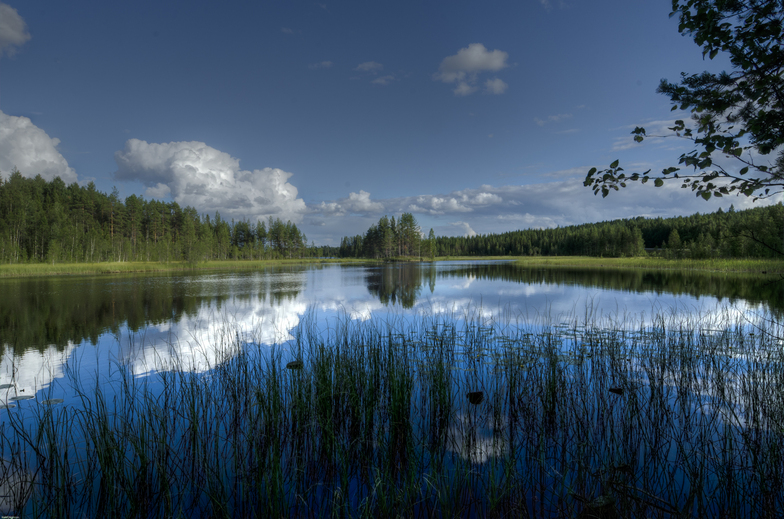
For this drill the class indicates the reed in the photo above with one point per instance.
(432, 416)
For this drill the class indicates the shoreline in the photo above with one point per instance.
(756, 266)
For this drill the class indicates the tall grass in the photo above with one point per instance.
(768, 266)
(65, 269)
(433, 416)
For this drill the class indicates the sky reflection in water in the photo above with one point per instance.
(150, 323)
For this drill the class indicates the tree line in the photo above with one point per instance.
(751, 233)
(389, 238)
(48, 221)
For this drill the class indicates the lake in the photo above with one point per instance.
(523, 390)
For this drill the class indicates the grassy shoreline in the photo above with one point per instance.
(763, 266)
(68, 269)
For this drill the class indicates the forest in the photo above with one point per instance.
(751, 233)
(47, 221)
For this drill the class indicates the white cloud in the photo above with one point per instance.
(209, 180)
(466, 229)
(464, 89)
(369, 66)
(13, 30)
(464, 67)
(495, 86)
(357, 203)
(493, 209)
(320, 65)
(552, 119)
(28, 148)
(383, 80)
(470, 60)
(286, 30)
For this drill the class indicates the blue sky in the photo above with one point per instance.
(477, 117)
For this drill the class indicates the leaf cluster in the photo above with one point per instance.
(738, 114)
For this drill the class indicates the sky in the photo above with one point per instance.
(476, 117)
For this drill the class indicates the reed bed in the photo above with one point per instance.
(430, 416)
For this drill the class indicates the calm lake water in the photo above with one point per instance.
(569, 374)
(148, 322)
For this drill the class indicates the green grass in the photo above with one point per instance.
(664, 420)
(65, 269)
(770, 266)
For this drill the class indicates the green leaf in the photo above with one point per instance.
(706, 195)
(614, 164)
(658, 182)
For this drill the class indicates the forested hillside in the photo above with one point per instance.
(753, 233)
(52, 222)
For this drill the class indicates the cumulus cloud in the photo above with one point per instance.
(465, 228)
(464, 89)
(28, 148)
(209, 180)
(492, 209)
(495, 86)
(464, 67)
(320, 65)
(13, 30)
(369, 66)
(465, 201)
(357, 203)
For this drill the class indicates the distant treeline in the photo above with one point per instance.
(48, 221)
(752, 233)
(388, 239)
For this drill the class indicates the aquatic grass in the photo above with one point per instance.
(435, 416)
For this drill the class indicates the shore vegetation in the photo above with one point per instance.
(428, 416)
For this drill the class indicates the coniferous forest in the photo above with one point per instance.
(47, 221)
(751, 233)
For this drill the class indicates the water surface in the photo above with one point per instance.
(154, 320)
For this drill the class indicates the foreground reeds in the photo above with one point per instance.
(422, 417)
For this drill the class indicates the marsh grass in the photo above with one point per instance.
(381, 419)
(766, 266)
(127, 267)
